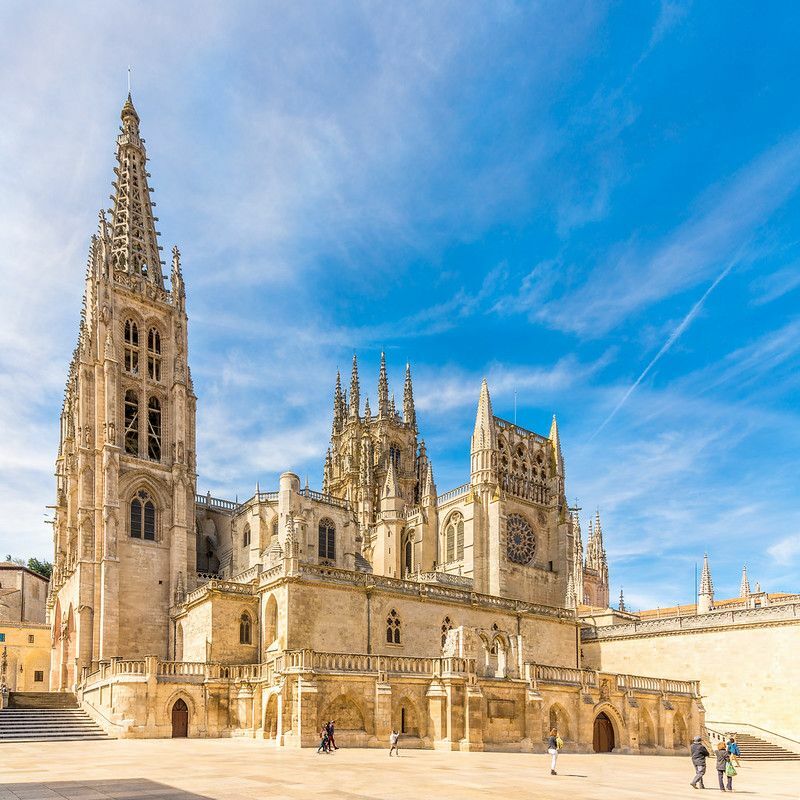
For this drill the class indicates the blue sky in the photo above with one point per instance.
(554, 195)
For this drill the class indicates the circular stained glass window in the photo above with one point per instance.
(521, 540)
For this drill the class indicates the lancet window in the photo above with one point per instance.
(447, 626)
(131, 423)
(454, 538)
(393, 627)
(131, 347)
(245, 629)
(154, 429)
(143, 516)
(154, 354)
(246, 536)
(327, 540)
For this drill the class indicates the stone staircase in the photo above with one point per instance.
(46, 716)
(755, 749)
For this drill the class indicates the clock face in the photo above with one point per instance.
(520, 540)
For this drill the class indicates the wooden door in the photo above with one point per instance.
(603, 734)
(180, 720)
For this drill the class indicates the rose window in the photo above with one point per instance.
(521, 540)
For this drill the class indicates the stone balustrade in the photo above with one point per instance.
(459, 491)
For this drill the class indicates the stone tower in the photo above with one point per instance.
(364, 445)
(124, 529)
(595, 573)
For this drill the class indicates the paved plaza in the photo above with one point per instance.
(240, 769)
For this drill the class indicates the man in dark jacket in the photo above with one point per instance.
(699, 756)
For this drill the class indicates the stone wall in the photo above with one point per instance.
(746, 661)
(27, 652)
(435, 703)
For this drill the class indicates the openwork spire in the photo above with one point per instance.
(134, 239)
(556, 441)
(338, 404)
(706, 584)
(383, 389)
(355, 390)
(409, 414)
(744, 586)
(622, 601)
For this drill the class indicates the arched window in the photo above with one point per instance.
(131, 423)
(408, 553)
(454, 538)
(143, 516)
(154, 354)
(275, 525)
(447, 626)
(246, 536)
(394, 455)
(393, 628)
(245, 629)
(327, 540)
(154, 429)
(131, 337)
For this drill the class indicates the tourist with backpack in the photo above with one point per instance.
(554, 744)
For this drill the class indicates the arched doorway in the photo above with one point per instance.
(603, 734)
(180, 719)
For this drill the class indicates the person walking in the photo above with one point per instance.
(699, 754)
(733, 748)
(554, 744)
(331, 738)
(323, 744)
(723, 761)
(394, 741)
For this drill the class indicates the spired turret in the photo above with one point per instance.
(483, 450)
(705, 597)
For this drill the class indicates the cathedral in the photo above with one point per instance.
(377, 602)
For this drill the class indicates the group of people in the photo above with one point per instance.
(327, 742)
(727, 756)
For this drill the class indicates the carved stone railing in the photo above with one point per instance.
(543, 673)
(215, 503)
(217, 585)
(203, 577)
(411, 511)
(642, 683)
(175, 668)
(325, 498)
(447, 578)
(505, 425)
(453, 493)
(248, 575)
(788, 613)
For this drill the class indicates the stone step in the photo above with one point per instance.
(47, 724)
(49, 700)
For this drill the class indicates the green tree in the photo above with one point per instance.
(42, 567)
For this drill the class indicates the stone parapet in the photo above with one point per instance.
(789, 613)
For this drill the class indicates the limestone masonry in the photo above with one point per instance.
(462, 619)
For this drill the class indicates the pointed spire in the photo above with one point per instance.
(409, 413)
(622, 601)
(571, 601)
(338, 404)
(176, 278)
(744, 586)
(484, 435)
(556, 442)
(367, 410)
(428, 496)
(134, 238)
(355, 390)
(391, 488)
(705, 600)
(383, 389)
(327, 473)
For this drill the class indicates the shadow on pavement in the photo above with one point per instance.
(123, 789)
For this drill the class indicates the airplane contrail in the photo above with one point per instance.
(673, 337)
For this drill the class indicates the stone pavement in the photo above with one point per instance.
(244, 769)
